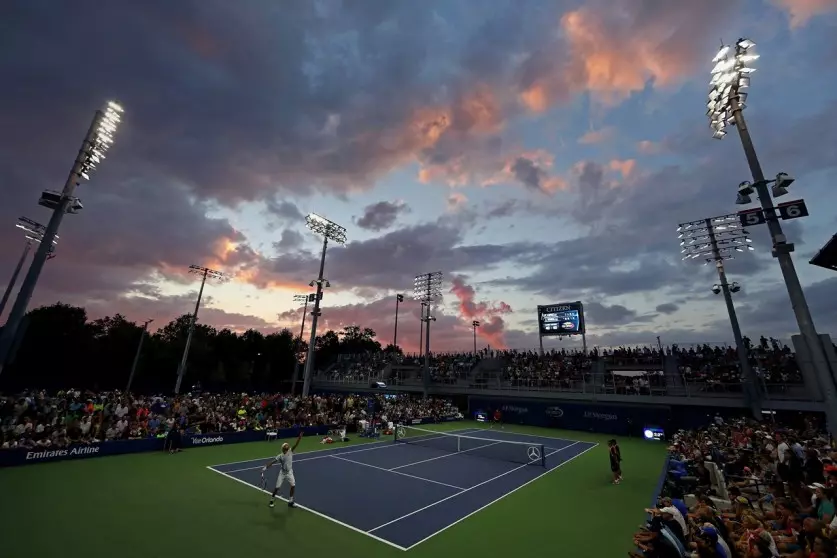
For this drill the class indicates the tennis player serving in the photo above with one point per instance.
(286, 470)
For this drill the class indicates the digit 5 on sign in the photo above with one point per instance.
(751, 217)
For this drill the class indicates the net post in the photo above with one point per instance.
(543, 456)
(395, 433)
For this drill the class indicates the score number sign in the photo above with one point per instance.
(786, 211)
(566, 318)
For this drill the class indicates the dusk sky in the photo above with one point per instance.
(534, 151)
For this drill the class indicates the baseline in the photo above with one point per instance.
(309, 510)
(300, 457)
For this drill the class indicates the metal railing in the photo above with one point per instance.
(588, 383)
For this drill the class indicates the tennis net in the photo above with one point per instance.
(516, 452)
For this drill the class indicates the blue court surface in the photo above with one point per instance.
(410, 492)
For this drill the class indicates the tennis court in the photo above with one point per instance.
(416, 487)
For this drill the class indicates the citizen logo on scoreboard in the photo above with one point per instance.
(559, 308)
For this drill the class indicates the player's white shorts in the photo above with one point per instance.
(283, 476)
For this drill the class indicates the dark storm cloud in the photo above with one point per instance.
(379, 216)
(667, 308)
(770, 311)
(393, 260)
(528, 173)
(602, 315)
(233, 100)
(284, 211)
(291, 240)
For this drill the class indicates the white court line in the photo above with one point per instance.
(440, 456)
(412, 513)
(446, 527)
(335, 451)
(380, 443)
(315, 512)
(395, 472)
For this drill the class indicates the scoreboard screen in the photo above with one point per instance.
(566, 318)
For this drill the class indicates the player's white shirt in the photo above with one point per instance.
(286, 469)
(286, 462)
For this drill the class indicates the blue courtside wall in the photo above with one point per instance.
(15, 457)
(604, 418)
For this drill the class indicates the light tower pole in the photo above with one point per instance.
(329, 230)
(427, 288)
(33, 232)
(475, 324)
(305, 298)
(137, 355)
(714, 240)
(399, 298)
(96, 143)
(730, 77)
(205, 274)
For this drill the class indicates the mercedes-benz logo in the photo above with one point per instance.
(534, 453)
(400, 432)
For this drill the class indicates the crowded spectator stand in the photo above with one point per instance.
(743, 489)
(46, 424)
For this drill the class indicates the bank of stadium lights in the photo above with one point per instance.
(329, 230)
(714, 240)
(427, 287)
(95, 146)
(731, 73)
(710, 239)
(206, 274)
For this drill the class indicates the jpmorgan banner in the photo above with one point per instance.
(591, 417)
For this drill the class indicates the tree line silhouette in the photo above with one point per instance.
(58, 347)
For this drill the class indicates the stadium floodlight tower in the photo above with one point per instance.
(475, 324)
(427, 288)
(137, 355)
(205, 274)
(399, 298)
(305, 299)
(714, 240)
(329, 230)
(727, 100)
(98, 140)
(33, 232)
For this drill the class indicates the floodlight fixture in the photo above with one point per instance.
(427, 288)
(326, 228)
(730, 74)
(96, 143)
(329, 230)
(714, 240)
(205, 273)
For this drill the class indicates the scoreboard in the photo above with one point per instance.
(566, 318)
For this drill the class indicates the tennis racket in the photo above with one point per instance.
(264, 481)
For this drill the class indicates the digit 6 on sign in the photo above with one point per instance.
(793, 211)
